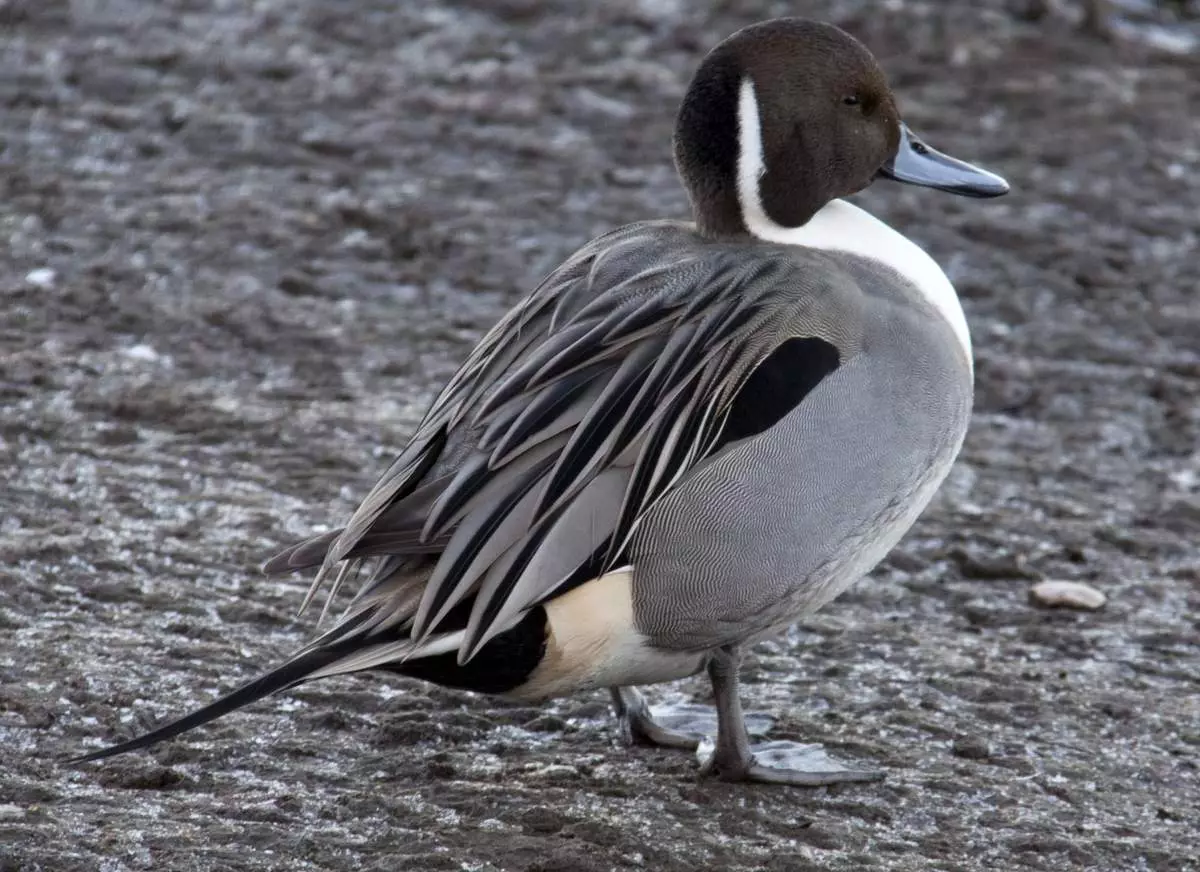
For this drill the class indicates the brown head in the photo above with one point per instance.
(787, 115)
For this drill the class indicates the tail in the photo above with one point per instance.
(291, 673)
(369, 638)
(373, 638)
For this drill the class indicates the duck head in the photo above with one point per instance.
(785, 116)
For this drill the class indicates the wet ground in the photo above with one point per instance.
(245, 241)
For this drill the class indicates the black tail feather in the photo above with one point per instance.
(287, 675)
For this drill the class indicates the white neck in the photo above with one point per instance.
(839, 226)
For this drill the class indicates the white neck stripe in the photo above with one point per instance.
(751, 168)
(838, 226)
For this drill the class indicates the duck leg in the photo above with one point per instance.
(676, 726)
(638, 726)
(733, 758)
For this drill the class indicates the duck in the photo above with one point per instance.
(686, 438)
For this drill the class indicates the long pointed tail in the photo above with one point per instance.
(290, 673)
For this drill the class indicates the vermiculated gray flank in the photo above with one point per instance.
(796, 507)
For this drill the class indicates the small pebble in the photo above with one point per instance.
(142, 351)
(1067, 595)
(41, 278)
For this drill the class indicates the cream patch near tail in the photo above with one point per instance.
(592, 642)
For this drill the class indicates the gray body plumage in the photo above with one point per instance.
(725, 546)
(775, 527)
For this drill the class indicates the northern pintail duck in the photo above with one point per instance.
(687, 437)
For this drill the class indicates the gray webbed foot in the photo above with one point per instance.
(780, 762)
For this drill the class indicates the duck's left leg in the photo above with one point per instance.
(638, 726)
(733, 758)
(679, 726)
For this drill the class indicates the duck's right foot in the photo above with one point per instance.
(731, 757)
(779, 762)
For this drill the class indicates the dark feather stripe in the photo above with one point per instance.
(503, 345)
(636, 496)
(777, 386)
(540, 412)
(703, 338)
(690, 431)
(648, 400)
(491, 599)
(497, 481)
(589, 349)
(447, 580)
(514, 383)
(583, 452)
(651, 313)
(399, 482)
(470, 478)
(554, 428)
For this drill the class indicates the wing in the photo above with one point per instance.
(645, 353)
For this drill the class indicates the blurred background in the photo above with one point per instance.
(244, 243)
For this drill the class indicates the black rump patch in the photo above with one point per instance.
(777, 385)
(503, 664)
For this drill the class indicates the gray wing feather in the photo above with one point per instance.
(400, 479)
(474, 547)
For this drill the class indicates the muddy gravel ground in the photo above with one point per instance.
(244, 242)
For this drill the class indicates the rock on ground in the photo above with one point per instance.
(246, 241)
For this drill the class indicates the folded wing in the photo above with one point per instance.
(642, 355)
